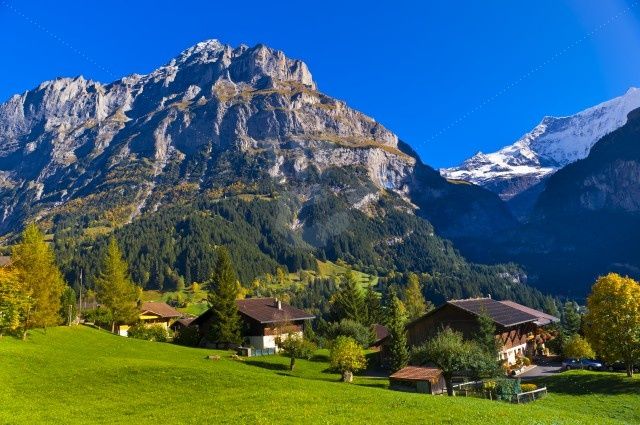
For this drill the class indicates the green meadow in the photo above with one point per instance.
(82, 375)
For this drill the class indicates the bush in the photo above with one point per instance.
(526, 361)
(507, 388)
(362, 334)
(157, 333)
(525, 388)
(489, 385)
(187, 336)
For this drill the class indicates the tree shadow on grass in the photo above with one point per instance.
(266, 365)
(583, 383)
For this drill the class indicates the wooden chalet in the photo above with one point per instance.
(516, 325)
(153, 313)
(427, 380)
(263, 320)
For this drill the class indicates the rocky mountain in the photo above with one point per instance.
(551, 145)
(73, 139)
(585, 222)
(235, 146)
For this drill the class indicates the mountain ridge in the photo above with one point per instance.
(551, 145)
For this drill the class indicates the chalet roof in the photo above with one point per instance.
(160, 308)
(542, 317)
(380, 332)
(185, 321)
(502, 314)
(417, 373)
(265, 310)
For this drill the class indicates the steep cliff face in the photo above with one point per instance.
(212, 118)
(71, 138)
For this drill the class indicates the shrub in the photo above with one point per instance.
(507, 388)
(157, 333)
(526, 361)
(187, 336)
(525, 388)
(489, 385)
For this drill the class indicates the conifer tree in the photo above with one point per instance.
(115, 289)
(34, 263)
(348, 302)
(373, 306)
(223, 291)
(399, 351)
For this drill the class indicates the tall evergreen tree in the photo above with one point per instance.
(487, 341)
(34, 262)
(223, 291)
(348, 302)
(399, 351)
(115, 289)
(571, 318)
(373, 306)
(414, 299)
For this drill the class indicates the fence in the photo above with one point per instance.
(530, 395)
(476, 389)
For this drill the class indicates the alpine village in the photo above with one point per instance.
(218, 241)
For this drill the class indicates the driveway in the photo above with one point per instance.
(543, 368)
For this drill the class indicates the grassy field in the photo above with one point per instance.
(82, 375)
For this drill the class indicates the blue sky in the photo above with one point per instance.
(450, 78)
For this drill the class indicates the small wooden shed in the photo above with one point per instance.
(428, 380)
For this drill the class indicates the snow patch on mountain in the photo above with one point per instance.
(553, 144)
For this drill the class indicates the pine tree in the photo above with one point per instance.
(399, 352)
(223, 291)
(348, 302)
(487, 341)
(571, 318)
(34, 262)
(115, 289)
(413, 298)
(373, 306)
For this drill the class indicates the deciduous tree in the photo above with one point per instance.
(34, 263)
(451, 353)
(578, 348)
(347, 357)
(613, 319)
(14, 301)
(295, 347)
(414, 299)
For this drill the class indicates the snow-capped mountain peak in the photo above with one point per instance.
(551, 145)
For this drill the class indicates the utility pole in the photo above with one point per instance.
(80, 297)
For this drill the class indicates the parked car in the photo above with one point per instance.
(589, 364)
(621, 367)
